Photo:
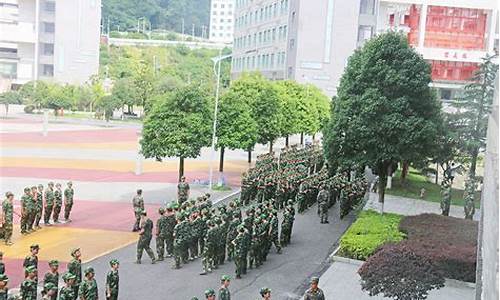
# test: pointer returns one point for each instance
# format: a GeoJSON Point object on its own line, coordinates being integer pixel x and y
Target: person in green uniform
{"type": "Point", "coordinates": [88, 288]}
{"type": "Point", "coordinates": [4, 289]}
{"type": "Point", "coordinates": [265, 293]}
{"type": "Point", "coordinates": [69, 193]}
{"type": "Point", "coordinates": [32, 209]}
{"type": "Point", "coordinates": [25, 210]}
{"type": "Point", "coordinates": [29, 285]}
{"type": "Point", "coordinates": [138, 204]}
{"type": "Point", "coordinates": [52, 276]}
{"type": "Point", "coordinates": [224, 293]}
{"type": "Point", "coordinates": [161, 224]}
{"type": "Point", "coordinates": [32, 260]}
{"type": "Point", "coordinates": [8, 217]}
{"type": "Point", "coordinates": [239, 250]}
{"type": "Point", "coordinates": [49, 291]}
{"type": "Point", "coordinates": [67, 291]}
{"type": "Point", "coordinates": [113, 280]}
{"type": "Point", "coordinates": [75, 268]}
{"type": "Point", "coordinates": [209, 246]}
{"type": "Point", "coordinates": [314, 292]}
{"type": "Point", "coordinates": [145, 236]}
{"type": "Point", "coordinates": [39, 207]}
{"type": "Point", "coordinates": [49, 203]}
{"type": "Point", "coordinates": [210, 294]}
{"type": "Point", "coordinates": [58, 202]}
{"type": "Point", "coordinates": [323, 198]}
{"type": "Point", "coordinates": [182, 190]}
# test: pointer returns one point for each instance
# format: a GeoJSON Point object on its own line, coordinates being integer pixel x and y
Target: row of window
{"type": "Point", "coordinates": [228, 28]}
{"type": "Point", "coordinates": [228, 35]}
{"type": "Point", "coordinates": [221, 13]}
{"type": "Point", "coordinates": [261, 38]}
{"type": "Point", "coordinates": [263, 14]}
{"type": "Point", "coordinates": [259, 62]}
{"type": "Point", "coordinates": [222, 5]}
{"type": "Point", "coordinates": [230, 21]}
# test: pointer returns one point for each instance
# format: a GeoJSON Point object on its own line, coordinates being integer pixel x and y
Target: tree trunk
{"type": "Point", "coordinates": [314, 137]}
{"type": "Point", "coordinates": [249, 156]}
{"type": "Point", "coordinates": [221, 160]}
{"type": "Point", "coordinates": [389, 175]}
{"type": "Point", "coordinates": [473, 162]}
{"type": "Point", "coordinates": [286, 140]}
{"type": "Point", "coordinates": [302, 138]}
{"type": "Point", "coordinates": [6, 109]}
{"type": "Point", "coordinates": [437, 173]}
{"type": "Point", "coordinates": [404, 171]}
{"type": "Point", "coordinates": [270, 147]}
{"type": "Point", "coordinates": [181, 167]}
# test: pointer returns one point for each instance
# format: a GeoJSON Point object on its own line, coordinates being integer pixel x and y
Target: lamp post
{"type": "Point", "coordinates": [215, 60]}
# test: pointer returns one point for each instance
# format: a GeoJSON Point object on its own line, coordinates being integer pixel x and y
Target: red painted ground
{"type": "Point", "coordinates": [74, 136]}
{"type": "Point", "coordinates": [233, 178]}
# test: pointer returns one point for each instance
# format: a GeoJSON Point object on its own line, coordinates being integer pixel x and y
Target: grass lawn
{"type": "Point", "coordinates": [416, 181]}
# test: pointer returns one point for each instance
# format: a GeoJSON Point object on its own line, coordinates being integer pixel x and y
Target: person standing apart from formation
{"type": "Point", "coordinates": [182, 191]}
{"type": "Point", "coordinates": [68, 201]}
{"type": "Point", "coordinates": [138, 204]}
{"type": "Point", "coordinates": [265, 293]}
{"type": "Point", "coordinates": [145, 236]}
{"type": "Point", "coordinates": [314, 292]}
{"type": "Point", "coordinates": [8, 217]}
{"type": "Point", "coordinates": [112, 280]}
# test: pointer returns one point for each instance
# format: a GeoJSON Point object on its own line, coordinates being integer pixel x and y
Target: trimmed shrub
{"type": "Point", "coordinates": [370, 231]}
{"type": "Point", "coordinates": [450, 243]}
{"type": "Point", "coordinates": [397, 272]}
{"type": "Point", "coordinates": [29, 109]}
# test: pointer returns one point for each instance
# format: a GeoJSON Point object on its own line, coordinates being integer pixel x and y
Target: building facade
{"type": "Point", "coordinates": [55, 40]}
{"type": "Point", "coordinates": [222, 21]}
{"type": "Point", "coordinates": [320, 35]}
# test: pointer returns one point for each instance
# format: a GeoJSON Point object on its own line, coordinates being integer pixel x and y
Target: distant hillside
{"type": "Point", "coordinates": [163, 14]}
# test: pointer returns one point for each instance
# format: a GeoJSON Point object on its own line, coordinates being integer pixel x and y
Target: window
{"type": "Point", "coordinates": [48, 27]}
{"type": "Point", "coordinates": [222, 20]}
{"type": "Point", "coordinates": [8, 70]}
{"type": "Point", "coordinates": [274, 34]}
{"type": "Point", "coordinates": [48, 49]}
{"type": "Point", "coordinates": [48, 70]}
{"type": "Point", "coordinates": [293, 17]}
{"type": "Point", "coordinates": [292, 43]}
{"type": "Point", "coordinates": [50, 6]}
{"type": "Point", "coordinates": [364, 33]}
{"type": "Point", "coordinates": [221, 27]}
{"type": "Point", "coordinates": [222, 6]}
{"type": "Point", "coordinates": [215, 5]}
{"type": "Point", "coordinates": [214, 13]}
{"type": "Point", "coordinates": [445, 94]}
{"type": "Point", "coordinates": [222, 13]}
{"type": "Point", "coordinates": [367, 7]}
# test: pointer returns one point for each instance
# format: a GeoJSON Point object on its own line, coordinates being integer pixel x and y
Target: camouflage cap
{"type": "Point", "coordinates": [74, 250]}
{"type": "Point", "coordinates": [27, 189]}
{"type": "Point", "coordinates": [54, 262]}
{"type": "Point", "coordinates": [35, 246]}
{"type": "Point", "coordinates": [9, 194]}
{"type": "Point", "coordinates": [68, 276]}
{"type": "Point", "coordinates": [49, 286]}
{"type": "Point", "coordinates": [89, 270]}
{"type": "Point", "coordinates": [161, 210]}
{"type": "Point", "coordinates": [30, 269]}
{"type": "Point", "coordinates": [314, 279]}
{"type": "Point", "coordinates": [264, 291]}
{"type": "Point", "coordinates": [40, 185]}
{"type": "Point", "coordinates": [209, 292]}
{"type": "Point", "coordinates": [4, 277]}
{"type": "Point", "coordinates": [144, 213]}
{"type": "Point", "coordinates": [225, 278]}
{"type": "Point", "coordinates": [114, 261]}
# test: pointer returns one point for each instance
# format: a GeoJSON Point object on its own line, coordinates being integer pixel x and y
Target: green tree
{"type": "Point", "coordinates": [10, 97]}
{"type": "Point", "coordinates": [236, 127]}
{"type": "Point", "coordinates": [473, 108]}
{"type": "Point", "coordinates": [322, 107]}
{"type": "Point", "coordinates": [385, 111]}
{"type": "Point", "coordinates": [124, 93]}
{"type": "Point", "coordinates": [143, 84]}
{"type": "Point", "coordinates": [178, 126]}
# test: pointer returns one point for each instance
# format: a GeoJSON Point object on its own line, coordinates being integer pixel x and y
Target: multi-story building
{"type": "Point", "coordinates": [222, 20]}
{"type": "Point", "coordinates": [55, 40]}
{"type": "Point", "coordinates": [320, 35]}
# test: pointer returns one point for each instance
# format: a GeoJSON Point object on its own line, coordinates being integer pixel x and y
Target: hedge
{"type": "Point", "coordinates": [370, 231]}
{"type": "Point", "coordinates": [450, 243]}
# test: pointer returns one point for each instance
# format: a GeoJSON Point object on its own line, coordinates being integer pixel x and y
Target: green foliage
{"type": "Point", "coordinates": [10, 97]}
{"type": "Point", "coordinates": [164, 14]}
{"type": "Point", "coordinates": [370, 231]}
{"type": "Point", "coordinates": [385, 111]}
{"type": "Point", "coordinates": [471, 121]}
{"type": "Point", "coordinates": [178, 125]}
{"type": "Point", "coordinates": [124, 92]}
{"type": "Point", "coordinates": [236, 127]}
{"type": "Point", "coordinates": [323, 105]}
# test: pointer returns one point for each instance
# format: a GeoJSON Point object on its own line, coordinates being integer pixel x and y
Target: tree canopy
{"type": "Point", "coordinates": [385, 112]}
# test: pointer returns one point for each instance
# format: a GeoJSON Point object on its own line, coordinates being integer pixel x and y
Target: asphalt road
{"type": "Point", "coordinates": [286, 274]}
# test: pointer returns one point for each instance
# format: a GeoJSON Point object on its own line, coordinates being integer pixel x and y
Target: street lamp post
{"type": "Point", "coordinates": [215, 60]}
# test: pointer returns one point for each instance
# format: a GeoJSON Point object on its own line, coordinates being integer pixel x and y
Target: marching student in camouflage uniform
{"type": "Point", "coordinates": [8, 217]}
{"type": "Point", "coordinates": [29, 285]}
{"type": "Point", "coordinates": [323, 204]}
{"type": "Point", "coordinates": [39, 206]}
{"type": "Point", "coordinates": [182, 191]}
{"type": "Point", "coordinates": [145, 236]}
{"type": "Point", "coordinates": [314, 292]}
{"type": "Point", "coordinates": [224, 293]}
{"type": "Point", "coordinates": [210, 294]}
{"type": "Point", "coordinates": [88, 288]}
{"type": "Point", "coordinates": [49, 291]}
{"type": "Point", "coordinates": [67, 291]}
{"type": "Point", "coordinates": [57, 203]}
{"type": "Point", "coordinates": [32, 209]}
{"type": "Point", "coordinates": [69, 194]}
{"type": "Point", "coordinates": [169, 230]}
{"type": "Point", "coordinates": [265, 293]}
{"type": "Point", "coordinates": [49, 203]}
{"type": "Point", "coordinates": [231, 235]}
{"type": "Point", "coordinates": [52, 276]}
{"type": "Point", "coordinates": [138, 204]}
{"type": "Point", "coordinates": [75, 268]}
{"type": "Point", "coordinates": [25, 211]}
{"type": "Point", "coordinates": [32, 260]}
{"type": "Point", "coordinates": [274, 231]}
{"type": "Point", "coordinates": [113, 280]}
{"type": "Point", "coordinates": [161, 226]}
{"type": "Point", "coordinates": [180, 241]}
{"type": "Point", "coordinates": [209, 248]}
{"type": "Point", "coordinates": [239, 250]}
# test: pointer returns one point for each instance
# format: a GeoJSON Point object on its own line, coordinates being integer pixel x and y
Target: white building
{"type": "Point", "coordinates": [221, 21]}
{"type": "Point", "coordinates": [54, 40]}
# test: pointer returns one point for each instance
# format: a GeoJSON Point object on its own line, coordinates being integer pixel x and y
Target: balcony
{"type": "Point", "coordinates": [21, 32]}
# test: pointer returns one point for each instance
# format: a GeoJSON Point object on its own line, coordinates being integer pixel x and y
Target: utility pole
{"type": "Point", "coordinates": [192, 30]}
{"type": "Point", "coordinates": [182, 28]}
{"type": "Point", "coordinates": [108, 28]}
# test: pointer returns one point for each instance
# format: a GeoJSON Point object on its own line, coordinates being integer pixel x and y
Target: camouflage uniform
{"type": "Point", "coordinates": [182, 192]}
{"type": "Point", "coordinates": [26, 207]}
{"type": "Point", "coordinates": [138, 204]}
{"type": "Point", "coordinates": [8, 218]}
{"type": "Point", "coordinates": [57, 203]}
{"type": "Point", "coordinates": [69, 194]}
{"type": "Point", "coordinates": [112, 282]}
{"type": "Point", "coordinates": [29, 289]}
{"type": "Point", "coordinates": [49, 203]}
{"type": "Point", "coordinates": [180, 242]}
{"type": "Point", "coordinates": [161, 226]}
{"type": "Point", "coordinates": [323, 205]}
{"type": "Point", "coordinates": [88, 289]}
{"type": "Point", "coordinates": [39, 206]}
{"type": "Point", "coordinates": [75, 268]}
{"type": "Point", "coordinates": [52, 277]}
{"type": "Point", "coordinates": [145, 236]}
{"type": "Point", "coordinates": [209, 247]}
